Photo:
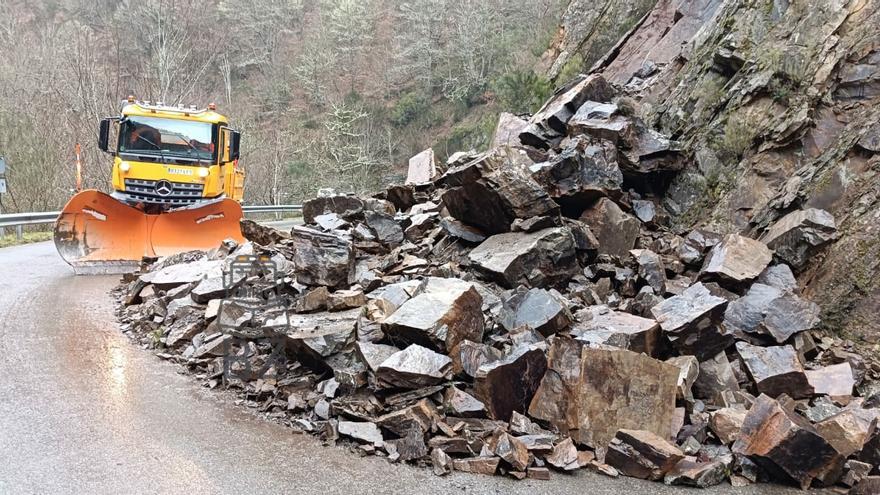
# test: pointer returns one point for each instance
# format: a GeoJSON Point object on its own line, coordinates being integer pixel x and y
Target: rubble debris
{"type": "Point", "coordinates": [782, 443]}
{"type": "Point", "coordinates": [542, 304]}
{"type": "Point", "coordinates": [642, 454]}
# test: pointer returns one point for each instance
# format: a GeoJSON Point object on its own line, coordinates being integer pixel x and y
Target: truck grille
{"type": "Point", "coordinates": [162, 192]}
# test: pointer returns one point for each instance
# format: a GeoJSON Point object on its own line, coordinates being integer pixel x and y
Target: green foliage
{"type": "Point", "coordinates": [28, 237]}
{"type": "Point", "coordinates": [571, 69]}
{"type": "Point", "coordinates": [737, 136]}
{"type": "Point", "coordinates": [522, 91]}
{"type": "Point", "coordinates": [469, 135]}
{"type": "Point", "coordinates": [408, 108]}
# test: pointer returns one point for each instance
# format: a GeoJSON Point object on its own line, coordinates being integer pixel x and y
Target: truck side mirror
{"type": "Point", "coordinates": [104, 135]}
{"type": "Point", "coordinates": [234, 145]}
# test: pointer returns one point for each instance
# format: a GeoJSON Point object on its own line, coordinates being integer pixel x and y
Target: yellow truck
{"type": "Point", "coordinates": [177, 186]}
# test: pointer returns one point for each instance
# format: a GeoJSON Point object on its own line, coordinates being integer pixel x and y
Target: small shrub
{"type": "Point", "coordinates": [522, 91]}
{"type": "Point", "coordinates": [409, 108]}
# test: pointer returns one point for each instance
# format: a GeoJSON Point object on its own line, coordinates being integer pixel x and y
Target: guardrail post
{"type": "Point", "coordinates": [19, 232]}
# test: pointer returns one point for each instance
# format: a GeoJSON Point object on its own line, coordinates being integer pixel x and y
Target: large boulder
{"type": "Point", "coordinates": [786, 445]}
{"type": "Point", "coordinates": [322, 258]}
{"type": "Point", "coordinates": [508, 384]}
{"type": "Point", "coordinates": [583, 171]}
{"type": "Point", "coordinates": [615, 229]}
{"type": "Point", "coordinates": [736, 259]}
{"type": "Point", "coordinates": [691, 319]}
{"type": "Point", "coordinates": [602, 325]}
{"type": "Point", "coordinates": [775, 370]}
{"type": "Point", "coordinates": [798, 235]}
{"type": "Point", "coordinates": [535, 309]}
{"type": "Point", "coordinates": [422, 168]}
{"type": "Point", "coordinates": [538, 259]}
{"type": "Point", "coordinates": [495, 189]}
{"type": "Point", "coordinates": [591, 393]}
{"type": "Point", "coordinates": [549, 124]}
{"type": "Point", "coordinates": [445, 313]}
{"type": "Point", "coordinates": [414, 367]}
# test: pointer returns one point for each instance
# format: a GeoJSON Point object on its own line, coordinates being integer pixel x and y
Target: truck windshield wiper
{"type": "Point", "coordinates": [158, 148]}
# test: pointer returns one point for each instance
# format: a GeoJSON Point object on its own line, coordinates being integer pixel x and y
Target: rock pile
{"type": "Point", "coordinates": [529, 310]}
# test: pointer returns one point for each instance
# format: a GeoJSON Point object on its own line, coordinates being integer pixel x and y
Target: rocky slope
{"type": "Point", "coordinates": [776, 106]}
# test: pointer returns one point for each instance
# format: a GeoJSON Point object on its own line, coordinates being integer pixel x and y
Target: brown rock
{"type": "Point", "coordinates": [564, 456]}
{"type": "Point", "coordinates": [444, 314]}
{"type": "Point", "coordinates": [642, 454]}
{"type": "Point", "coordinates": [507, 385]}
{"type": "Point", "coordinates": [834, 380]}
{"type": "Point", "coordinates": [463, 404]}
{"type": "Point", "coordinates": [715, 377]}
{"type": "Point", "coordinates": [690, 321]}
{"type": "Point", "coordinates": [477, 465]}
{"type": "Point", "coordinates": [511, 450]}
{"type": "Point", "coordinates": [775, 370]}
{"type": "Point", "coordinates": [538, 473]}
{"type": "Point", "coordinates": [601, 325]}
{"type": "Point", "coordinates": [361, 431]}
{"type": "Point", "coordinates": [855, 472]}
{"type": "Point", "coordinates": [419, 416]}
{"type": "Point", "coordinates": [591, 393]}
{"type": "Point", "coordinates": [313, 300]}
{"type": "Point", "coordinates": [786, 446]}
{"type": "Point", "coordinates": [848, 430]}
{"type": "Point", "coordinates": [688, 370]}
{"type": "Point", "coordinates": [615, 230]}
{"type": "Point", "coordinates": [321, 258]}
{"type": "Point", "coordinates": [583, 171]}
{"type": "Point", "coordinates": [508, 129]}
{"type": "Point", "coordinates": [695, 473]}
{"type": "Point", "coordinates": [414, 367]}
{"type": "Point", "coordinates": [469, 356]}
{"type": "Point", "coordinates": [346, 299]}
{"type": "Point", "coordinates": [869, 485]}
{"type": "Point", "coordinates": [549, 123]}
{"type": "Point", "coordinates": [260, 234]}
{"type": "Point", "coordinates": [736, 259]}
{"type": "Point", "coordinates": [373, 355]}
{"type": "Point", "coordinates": [440, 462]}
{"type": "Point", "coordinates": [726, 423]}
{"type": "Point", "coordinates": [536, 309]}
{"type": "Point", "coordinates": [539, 259]}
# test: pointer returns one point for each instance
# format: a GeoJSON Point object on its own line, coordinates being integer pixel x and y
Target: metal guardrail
{"type": "Point", "coordinates": [19, 220]}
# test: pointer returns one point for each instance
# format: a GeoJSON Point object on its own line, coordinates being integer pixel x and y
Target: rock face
{"type": "Point", "coordinates": [540, 259]}
{"type": "Point", "coordinates": [508, 129]}
{"type": "Point", "coordinates": [798, 235]}
{"type": "Point", "coordinates": [784, 444]}
{"type": "Point", "coordinates": [575, 393]}
{"type": "Point", "coordinates": [322, 259]}
{"type": "Point", "coordinates": [444, 314]}
{"type": "Point", "coordinates": [615, 230]}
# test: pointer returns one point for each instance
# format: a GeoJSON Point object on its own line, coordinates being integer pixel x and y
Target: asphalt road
{"type": "Point", "coordinates": [82, 410]}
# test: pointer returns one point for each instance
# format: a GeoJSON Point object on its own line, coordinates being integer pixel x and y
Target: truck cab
{"type": "Point", "coordinates": [172, 156]}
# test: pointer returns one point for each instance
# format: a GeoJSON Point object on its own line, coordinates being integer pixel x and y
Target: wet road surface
{"type": "Point", "coordinates": [83, 410]}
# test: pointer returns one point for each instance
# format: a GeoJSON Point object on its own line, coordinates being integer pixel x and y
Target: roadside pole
{"type": "Point", "coordinates": [2, 191]}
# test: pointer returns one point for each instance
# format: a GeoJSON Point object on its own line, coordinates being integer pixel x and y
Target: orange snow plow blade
{"type": "Point", "coordinates": [98, 234]}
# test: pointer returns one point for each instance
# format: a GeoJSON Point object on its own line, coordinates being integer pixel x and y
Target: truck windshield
{"type": "Point", "coordinates": [167, 137]}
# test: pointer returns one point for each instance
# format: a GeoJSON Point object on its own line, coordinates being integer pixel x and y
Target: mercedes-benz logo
{"type": "Point", "coordinates": [164, 188]}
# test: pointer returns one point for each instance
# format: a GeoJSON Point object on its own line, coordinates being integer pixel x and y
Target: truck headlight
{"type": "Point", "coordinates": [203, 172]}
{"type": "Point", "coordinates": [124, 166]}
